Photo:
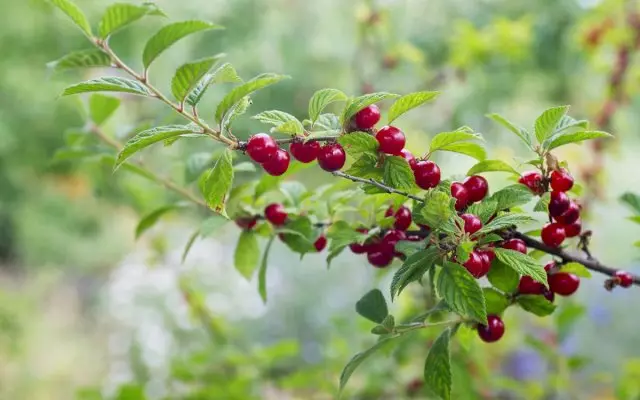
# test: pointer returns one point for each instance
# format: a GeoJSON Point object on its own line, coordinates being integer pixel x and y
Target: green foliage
{"type": "Point", "coordinates": [356, 144]}
{"type": "Point", "coordinates": [76, 15]}
{"type": "Point", "coordinates": [101, 107]}
{"type": "Point", "coordinates": [360, 358]}
{"type": "Point", "coordinates": [107, 84]}
{"type": "Point", "coordinates": [459, 141]}
{"type": "Point", "coordinates": [495, 300]}
{"type": "Point", "coordinates": [547, 121]}
{"type": "Point", "coordinates": [437, 367]}
{"type": "Point", "coordinates": [523, 264]}
{"type": "Point", "coordinates": [358, 103]}
{"type": "Point", "coordinates": [215, 183]}
{"type": "Point", "coordinates": [148, 137]}
{"type": "Point", "coordinates": [245, 89]}
{"type": "Point", "coordinates": [576, 269]}
{"type": "Point", "coordinates": [536, 304]}
{"type": "Point", "coordinates": [373, 306]}
{"type": "Point", "coordinates": [491, 166]}
{"type": "Point", "coordinates": [150, 219]}
{"type": "Point", "coordinates": [409, 102]}
{"type": "Point", "coordinates": [413, 269]}
{"type": "Point", "coordinates": [321, 99]}
{"type": "Point", "coordinates": [503, 277]}
{"type": "Point", "coordinates": [189, 75]}
{"type": "Point", "coordinates": [247, 254]}
{"type": "Point", "coordinates": [398, 174]}
{"type": "Point", "coordinates": [89, 58]}
{"type": "Point", "coordinates": [461, 292]}
{"type": "Point", "coordinates": [223, 74]}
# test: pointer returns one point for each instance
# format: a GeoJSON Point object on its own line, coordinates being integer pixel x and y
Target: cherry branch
{"type": "Point", "coordinates": [377, 184]}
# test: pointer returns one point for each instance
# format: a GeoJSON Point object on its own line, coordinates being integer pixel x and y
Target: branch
{"type": "Point", "coordinates": [380, 185]}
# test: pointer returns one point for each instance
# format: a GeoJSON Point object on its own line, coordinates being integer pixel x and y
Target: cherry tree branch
{"type": "Point", "coordinates": [377, 184]}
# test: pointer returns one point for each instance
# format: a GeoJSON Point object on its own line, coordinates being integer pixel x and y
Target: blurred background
{"type": "Point", "coordinates": [89, 312]}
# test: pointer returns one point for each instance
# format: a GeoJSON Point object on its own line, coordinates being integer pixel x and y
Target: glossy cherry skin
{"type": "Point", "coordinates": [426, 174]}
{"type": "Point", "coordinates": [561, 180]}
{"type": "Point", "coordinates": [391, 140]}
{"type": "Point", "coordinates": [278, 164]}
{"type": "Point", "coordinates": [275, 214]}
{"type": "Point", "coordinates": [493, 331]}
{"type": "Point", "coordinates": [305, 152]}
{"type": "Point", "coordinates": [358, 248]}
{"type": "Point", "coordinates": [532, 180]}
{"type": "Point", "coordinates": [367, 118]}
{"type": "Point", "coordinates": [515, 244]}
{"type": "Point", "coordinates": [407, 155]}
{"type": "Point", "coordinates": [331, 157]}
{"type": "Point", "coordinates": [472, 223]}
{"type": "Point", "coordinates": [553, 234]}
{"type": "Point", "coordinates": [475, 264]}
{"type": "Point", "coordinates": [380, 259]}
{"type": "Point", "coordinates": [261, 147]}
{"type": "Point", "coordinates": [477, 188]}
{"type": "Point", "coordinates": [528, 285]}
{"type": "Point", "coordinates": [574, 229]}
{"type": "Point", "coordinates": [558, 203]}
{"type": "Point", "coordinates": [402, 217]}
{"type": "Point", "coordinates": [563, 283]}
{"type": "Point", "coordinates": [247, 223]}
{"type": "Point", "coordinates": [320, 243]}
{"type": "Point", "coordinates": [570, 216]}
{"type": "Point", "coordinates": [625, 278]}
{"type": "Point", "coordinates": [460, 193]}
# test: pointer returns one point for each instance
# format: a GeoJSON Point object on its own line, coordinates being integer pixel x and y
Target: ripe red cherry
{"type": "Point", "coordinates": [475, 264]}
{"type": "Point", "coordinates": [380, 259]}
{"type": "Point", "coordinates": [486, 261]}
{"type": "Point", "coordinates": [305, 152]}
{"type": "Point", "coordinates": [403, 217]}
{"type": "Point", "coordinates": [553, 234]}
{"type": "Point", "coordinates": [460, 193]}
{"type": "Point", "coordinates": [493, 331]}
{"type": "Point", "coordinates": [331, 157]}
{"type": "Point", "coordinates": [558, 204]}
{"type": "Point", "coordinates": [561, 180]}
{"type": "Point", "coordinates": [320, 243]}
{"type": "Point", "coordinates": [389, 240]}
{"type": "Point", "coordinates": [275, 214]}
{"type": "Point", "coordinates": [515, 244]}
{"type": "Point", "coordinates": [261, 147]}
{"type": "Point", "coordinates": [563, 283]}
{"type": "Point", "coordinates": [358, 248]}
{"type": "Point", "coordinates": [549, 266]}
{"type": "Point", "coordinates": [391, 139]}
{"type": "Point", "coordinates": [574, 229]}
{"type": "Point", "coordinates": [625, 278]}
{"type": "Point", "coordinates": [427, 174]}
{"type": "Point", "coordinates": [367, 117]}
{"type": "Point", "coordinates": [477, 187]}
{"type": "Point", "coordinates": [472, 224]}
{"type": "Point", "coordinates": [532, 180]}
{"type": "Point", "coordinates": [247, 223]}
{"type": "Point", "coordinates": [407, 155]}
{"type": "Point", "coordinates": [490, 254]}
{"type": "Point", "coordinates": [548, 294]}
{"type": "Point", "coordinates": [570, 216]}
{"type": "Point", "coordinates": [278, 164]}
{"type": "Point", "coordinates": [529, 286]}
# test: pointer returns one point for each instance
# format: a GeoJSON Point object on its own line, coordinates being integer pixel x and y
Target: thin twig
{"type": "Point", "coordinates": [380, 185]}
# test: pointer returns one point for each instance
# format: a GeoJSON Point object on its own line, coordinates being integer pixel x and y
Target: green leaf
{"type": "Point", "coordinates": [247, 254]}
{"type": "Point", "coordinates": [284, 122]}
{"type": "Point", "coordinates": [536, 304]}
{"type": "Point", "coordinates": [409, 102]}
{"type": "Point", "coordinates": [489, 238]}
{"type": "Point", "coordinates": [81, 59]}
{"type": "Point", "coordinates": [365, 167]}
{"type": "Point", "coordinates": [496, 301]}
{"type": "Point", "coordinates": [216, 183]}
{"type": "Point", "coordinates": [522, 133]}
{"type": "Point", "coordinates": [385, 327]}
{"type": "Point", "coordinates": [119, 15]}
{"type": "Point", "coordinates": [359, 359]}
{"type": "Point", "coordinates": [150, 219]}
{"type": "Point", "coordinates": [397, 173]}
{"type": "Point", "coordinates": [262, 273]}
{"type": "Point", "coordinates": [190, 242]}
{"type": "Point", "coordinates": [445, 139]}
{"type": "Point", "coordinates": [234, 112]}
{"type": "Point", "coordinates": [576, 137]}
{"type": "Point", "coordinates": [342, 234]}
{"type": "Point", "coordinates": [512, 196]}
{"type": "Point", "coordinates": [491, 166]}
{"type": "Point", "coordinates": [321, 99]}
{"type": "Point", "coordinates": [632, 200]}
{"type": "Point", "coordinates": [373, 306]}
{"type": "Point", "coordinates": [107, 84]}
{"type": "Point", "coordinates": [361, 102]}
{"type": "Point", "coordinates": [239, 92]}
{"type": "Point", "coordinates": [505, 221]}
{"type": "Point", "coordinates": [437, 367]}
{"type": "Point", "coordinates": [414, 267]}
{"type": "Point", "coordinates": [357, 143]}
{"type": "Point", "coordinates": [543, 204]}
{"type": "Point", "coordinates": [523, 264]}
{"type": "Point", "coordinates": [467, 148]}
{"type": "Point", "coordinates": [484, 210]}
{"type": "Point", "coordinates": [437, 209]}
{"type": "Point", "coordinates": [408, 247]}
{"type": "Point", "coordinates": [170, 34]}
{"type": "Point", "coordinates": [547, 121]}
{"type": "Point", "coordinates": [328, 122]}
{"type": "Point", "coordinates": [576, 269]}
{"type": "Point", "coordinates": [212, 224]}
{"type": "Point", "coordinates": [299, 235]}
{"type": "Point", "coordinates": [503, 277]}
{"type": "Point", "coordinates": [149, 137]}
{"type": "Point", "coordinates": [246, 166]}
{"type": "Point", "coordinates": [223, 74]}
{"type": "Point", "coordinates": [76, 15]}
{"type": "Point", "coordinates": [188, 75]}
{"type": "Point", "coordinates": [101, 107]}
{"type": "Point", "coordinates": [461, 291]}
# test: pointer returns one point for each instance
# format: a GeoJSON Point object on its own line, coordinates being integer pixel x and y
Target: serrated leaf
{"type": "Point", "coordinates": [359, 359]}
{"type": "Point", "coordinates": [436, 210]}
{"type": "Point", "coordinates": [119, 15]}
{"type": "Point", "coordinates": [576, 269]}
{"type": "Point", "coordinates": [408, 247]}
{"type": "Point", "coordinates": [409, 102]}
{"type": "Point", "coordinates": [365, 167]}
{"type": "Point", "coordinates": [414, 267]}
{"type": "Point", "coordinates": [216, 183]}
{"type": "Point", "coordinates": [357, 143]}
{"type": "Point", "coordinates": [101, 107]}
{"type": "Point", "coordinates": [397, 173]}
{"type": "Point", "coordinates": [276, 118]}
{"type": "Point", "coordinates": [444, 139]}
{"type": "Point", "coordinates": [188, 75]}
{"type": "Point", "coordinates": [88, 58]}
{"type": "Point", "coordinates": [262, 272]}
{"type": "Point", "coordinates": [294, 191]}
{"type": "Point", "coordinates": [483, 210]}
{"type": "Point", "coordinates": [503, 277]}
{"type": "Point", "coordinates": [496, 301]}
{"type": "Point", "coordinates": [150, 219]}
{"type": "Point", "coordinates": [342, 234]}
{"type": "Point", "coordinates": [437, 367]}
{"type": "Point", "coordinates": [522, 133]}
{"type": "Point", "coordinates": [170, 34]}
{"type": "Point", "coordinates": [328, 122]}
{"type": "Point", "coordinates": [536, 304]}
{"type": "Point", "coordinates": [522, 264]}
{"type": "Point", "coordinates": [461, 292]}
{"type": "Point", "coordinates": [289, 128]}
{"type": "Point", "coordinates": [505, 221]}
{"type": "Point", "coordinates": [547, 121]}
{"type": "Point", "coordinates": [107, 84]}
{"type": "Point", "coordinates": [247, 254]}
{"type": "Point", "coordinates": [234, 112]}
{"type": "Point", "coordinates": [543, 204]}
{"type": "Point", "coordinates": [491, 166]}
{"type": "Point", "coordinates": [299, 235]}
{"type": "Point", "coordinates": [632, 200]}
{"type": "Point", "coordinates": [576, 137]}
{"type": "Point", "coordinates": [149, 137]}
{"type": "Point", "coordinates": [239, 92]}
{"type": "Point", "coordinates": [321, 99]}
{"type": "Point", "coordinates": [361, 102]}
{"type": "Point", "coordinates": [223, 74]}
{"type": "Point", "coordinates": [512, 196]}
{"type": "Point", "coordinates": [373, 306]}
{"type": "Point", "coordinates": [75, 13]}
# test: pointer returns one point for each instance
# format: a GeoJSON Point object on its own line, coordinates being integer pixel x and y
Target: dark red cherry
{"type": "Point", "coordinates": [261, 147]}
{"type": "Point", "coordinates": [477, 188]}
{"type": "Point", "coordinates": [493, 331]}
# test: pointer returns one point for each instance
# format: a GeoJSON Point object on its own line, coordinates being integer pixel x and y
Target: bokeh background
{"type": "Point", "coordinates": [87, 311]}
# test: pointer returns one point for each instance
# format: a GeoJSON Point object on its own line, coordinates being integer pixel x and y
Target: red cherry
{"type": "Point", "coordinates": [305, 152]}
{"type": "Point", "coordinates": [407, 155]}
{"type": "Point", "coordinates": [403, 217]}
{"type": "Point", "coordinates": [493, 331]}
{"type": "Point", "coordinates": [358, 248]}
{"type": "Point", "coordinates": [320, 243]}
{"type": "Point", "coordinates": [475, 264]}
{"type": "Point", "coordinates": [529, 286]}
{"type": "Point", "coordinates": [427, 174]}
{"type": "Point", "coordinates": [574, 229]}
{"type": "Point", "coordinates": [553, 234]}
{"type": "Point", "coordinates": [561, 180]}
{"type": "Point", "coordinates": [549, 266]}
{"type": "Point", "coordinates": [548, 294]}
{"type": "Point", "coordinates": [391, 140]}
{"type": "Point", "coordinates": [380, 259]}
{"type": "Point", "coordinates": [532, 180]}
{"type": "Point", "coordinates": [261, 147]}
{"type": "Point", "coordinates": [247, 223]}
{"type": "Point", "coordinates": [275, 214]}
{"type": "Point", "coordinates": [390, 239]}
{"type": "Point", "coordinates": [477, 187]}
{"type": "Point", "coordinates": [570, 216]}
{"type": "Point", "coordinates": [331, 157]}
{"type": "Point", "coordinates": [563, 283]}
{"type": "Point", "coordinates": [486, 261]}
{"type": "Point", "coordinates": [278, 164]}
{"type": "Point", "coordinates": [460, 193]}
{"type": "Point", "coordinates": [367, 117]}
{"type": "Point", "coordinates": [625, 278]}
{"type": "Point", "coordinates": [515, 244]}
{"type": "Point", "coordinates": [558, 204]}
{"type": "Point", "coordinates": [472, 224]}
{"type": "Point", "coordinates": [490, 254]}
